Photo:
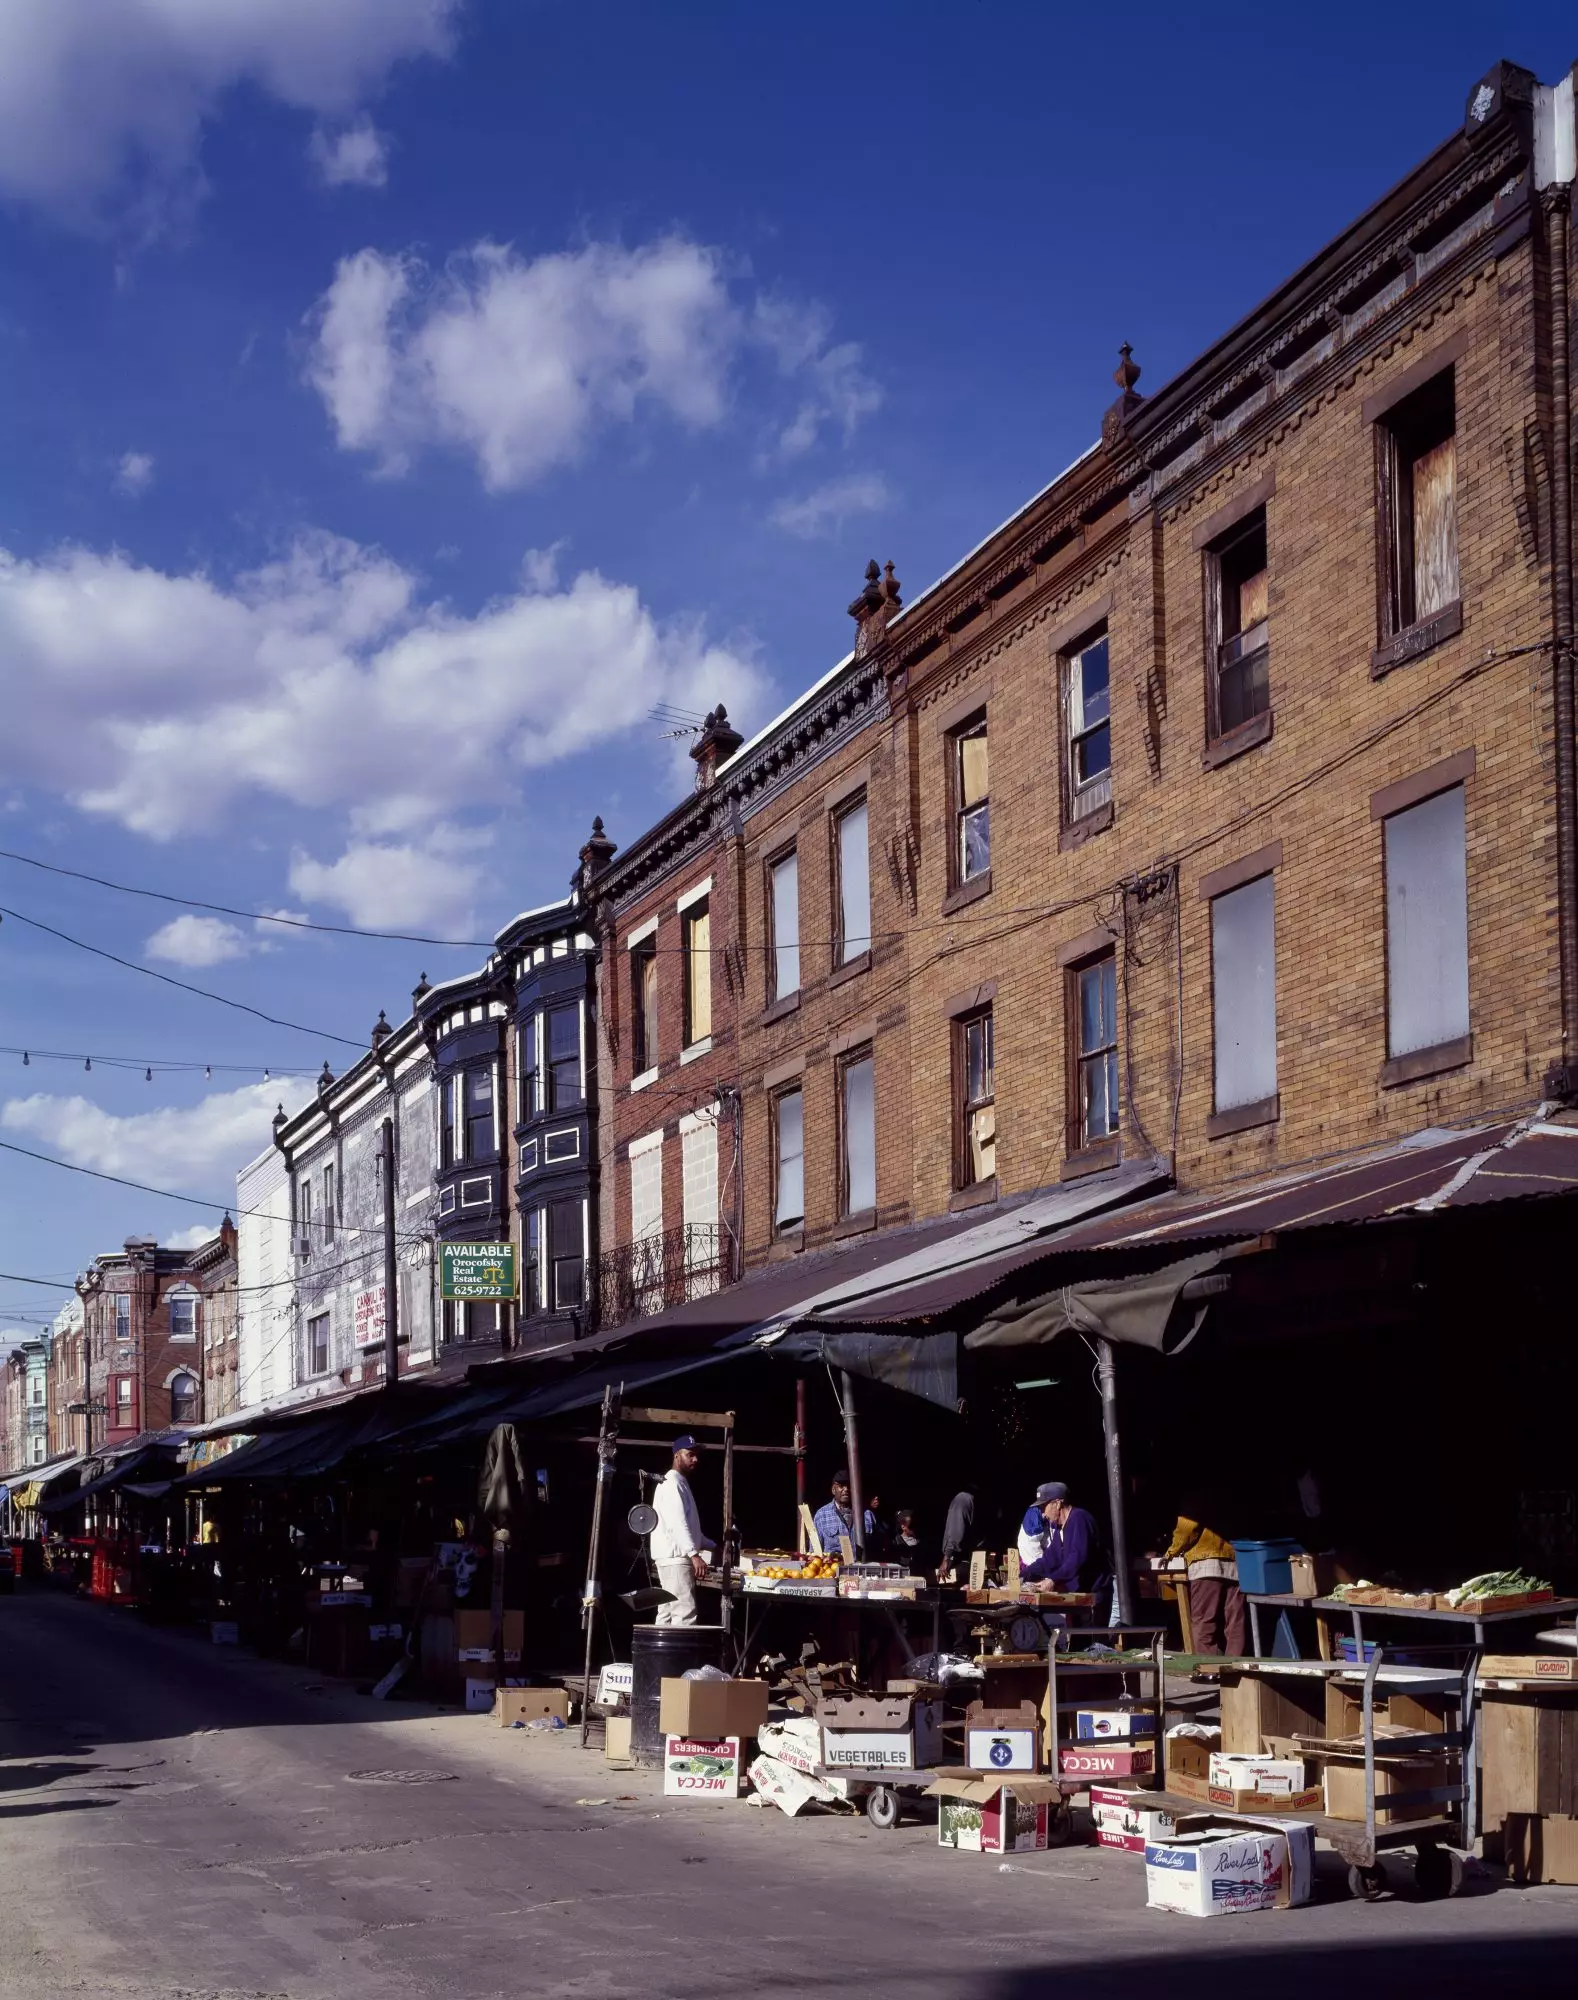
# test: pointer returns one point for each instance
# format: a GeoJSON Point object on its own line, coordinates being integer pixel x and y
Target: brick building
{"type": "Point", "coordinates": [24, 1421]}
{"type": "Point", "coordinates": [214, 1268]}
{"type": "Point", "coordinates": [1216, 810]}
{"type": "Point", "coordinates": [142, 1339]}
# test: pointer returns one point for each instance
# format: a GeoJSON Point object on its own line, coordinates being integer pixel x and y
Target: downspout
{"type": "Point", "coordinates": [1555, 167]}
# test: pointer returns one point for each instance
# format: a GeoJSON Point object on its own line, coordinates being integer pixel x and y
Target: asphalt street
{"type": "Point", "coordinates": [185, 1822]}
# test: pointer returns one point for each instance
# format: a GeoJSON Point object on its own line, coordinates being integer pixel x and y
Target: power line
{"type": "Point", "coordinates": [252, 916]}
{"type": "Point", "coordinates": [164, 978]}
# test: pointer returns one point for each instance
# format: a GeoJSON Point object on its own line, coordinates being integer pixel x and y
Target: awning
{"type": "Point", "coordinates": [147, 1462]}
{"type": "Point", "coordinates": [1154, 1309]}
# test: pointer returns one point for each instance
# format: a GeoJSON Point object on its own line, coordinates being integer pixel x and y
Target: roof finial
{"type": "Point", "coordinates": [1127, 372]}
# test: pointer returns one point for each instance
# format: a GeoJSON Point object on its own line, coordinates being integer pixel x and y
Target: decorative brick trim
{"type": "Point", "coordinates": [1234, 874]}
{"type": "Point", "coordinates": [1422, 785]}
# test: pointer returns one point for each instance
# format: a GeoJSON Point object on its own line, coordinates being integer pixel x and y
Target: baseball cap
{"type": "Point", "coordinates": [1051, 1489]}
{"type": "Point", "coordinates": [684, 1443]}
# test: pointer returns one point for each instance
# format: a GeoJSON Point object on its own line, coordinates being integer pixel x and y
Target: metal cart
{"type": "Point", "coordinates": [1066, 1669]}
{"type": "Point", "coordinates": [880, 1794]}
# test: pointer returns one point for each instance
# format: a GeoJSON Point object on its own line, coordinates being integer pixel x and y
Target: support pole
{"type": "Point", "coordinates": [1115, 1501]}
{"type": "Point", "coordinates": [606, 1447]}
{"type": "Point", "coordinates": [799, 1462]}
{"type": "Point", "coordinates": [391, 1270]}
{"type": "Point", "coordinates": [857, 1492]}
{"type": "Point", "coordinates": [725, 1538]}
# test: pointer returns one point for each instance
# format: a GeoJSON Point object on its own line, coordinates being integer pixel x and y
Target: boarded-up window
{"type": "Point", "coordinates": [789, 1161]}
{"type": "Point", "coordinates": [1244, 993]}
{"type": "Point", "coordinates": [698, 974]}
{"type": "Point", "coordinates": [854, 882]}
{"type": "Point", "coordinates": [1426, 925]}
{"type": "Point", "coordinates": [784, 881]}
{"type": "Point", "coordinates": [976, 1085]}
{"type": "Point", "coordinates": [1418, 474]}
{"type": "Point", "coordinates": [858, 1116]}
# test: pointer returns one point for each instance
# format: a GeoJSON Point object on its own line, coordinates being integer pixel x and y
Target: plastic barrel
{"type": "Point", "coordinates": [661, 1653]}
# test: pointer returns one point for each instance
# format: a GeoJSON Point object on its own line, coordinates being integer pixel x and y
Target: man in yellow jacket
{"type": "Point", "coordinates": [1216, 1604]}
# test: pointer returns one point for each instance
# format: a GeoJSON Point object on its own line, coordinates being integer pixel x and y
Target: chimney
{"type": "Point", "coordinates": [717, 743]}
{"type": "Point", "coordinates": [1129, 400]}
{"type": "Point", "coordinates": [595, 857]}
{"type": "Point", "coordinates": [875, 605]}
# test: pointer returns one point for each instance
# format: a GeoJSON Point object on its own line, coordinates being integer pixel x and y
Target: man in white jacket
{"type": "Point", "coordinates": [678, 1545]}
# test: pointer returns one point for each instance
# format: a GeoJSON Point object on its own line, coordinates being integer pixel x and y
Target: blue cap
{"type": "Point", "coordinates": [685, 1443]}
{"type": "Point", "coordinates": [1050, 1490]}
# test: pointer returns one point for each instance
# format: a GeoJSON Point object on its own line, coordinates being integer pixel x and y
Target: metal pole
{"type": "Point", "coordinates": [1109, 1427]}
{"type": "Point", "coordinates": [727, 1531]}
{"type": "Point", "coordinates": [799, 1460]}
{"type": "Point", "coordinates": [391, 1273]}
{"type": "Point", "coordinates": [589, 1597]}
{"type": "Point", "coordinates": [857, 1496]}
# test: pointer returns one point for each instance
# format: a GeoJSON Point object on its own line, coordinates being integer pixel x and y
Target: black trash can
{"type": "Point", "coordinates": [661, 1653]}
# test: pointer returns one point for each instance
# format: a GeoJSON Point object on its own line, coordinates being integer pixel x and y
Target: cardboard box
{"type": "Point", "coordinates": [1279, 1775]}
{"type": "Point", "coordinates": [1542, 1847]}
{"type": "Point", "coordinates": [1313, 1576]}
{"type": "Point", "coordinates": [982, 1816]}
{"type": "Point", "coordinates": [1221, 1872]}
{"type": "Point", "coordinates": [615, 1683]}
{"type": "Point", "coordinates": [1255, 1706]}
{"type": "Point", "coordinates": [1124, 1820]}
{"type": "Point", "coordinates": [712, 1709]}
{"type": "Point", "coordinates": [1002, 1739]}
{"type": "Point", "coordinates": [616, 1739]}
{"type": "Point", "coordinates": [789, 1789]}
{"type": "Point", "coordinates": [1188, 1750]}
{"type": "Point", "coordinates": [701, 1766]}
{"type": "Point", "coordinates": [474, 1636]}
{"type": "Point", "coordinates": [1344, 1787]}
{"type": "Point", "coordinates": [1095, 1725]}
{"type": "Point", "coordinates": [880, 1733]}
{"type": "Point", "coordinates": [1108, 1760]}
{"type": "Point", "coordinates": [478, 1696]}
{"type": "Point", "coordinates": [1529, 1667]}
{"type": "Point", "coordinates": [530, 1705]}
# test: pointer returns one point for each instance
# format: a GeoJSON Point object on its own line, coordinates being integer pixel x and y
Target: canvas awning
{"type": "Point", "coordinates": [1161, 1310]}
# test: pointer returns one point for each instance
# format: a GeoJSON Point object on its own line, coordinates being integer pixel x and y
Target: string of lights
{"type": "Point", "coordinates": [151, 1066]}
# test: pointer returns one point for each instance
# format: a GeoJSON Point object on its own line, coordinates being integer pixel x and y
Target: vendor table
{"type": "Point", "coordinates": [752, 1606]}
{"type": "Point", "coordinates": [1328, 1608]}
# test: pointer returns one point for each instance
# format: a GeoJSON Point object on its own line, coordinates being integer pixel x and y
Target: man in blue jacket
{"type": "Point", "coordinates": [1075, 1559]}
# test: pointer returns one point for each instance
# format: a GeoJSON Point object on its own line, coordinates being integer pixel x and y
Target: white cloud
{"type": "Point", "coordinates": [405, 885]}
{"type": "Point", "coordinates": [355, 156]}
{"type": "Point", "coordinates": [522, 361]}
{"type": "Point", "coordinates": [825, 509]}
{"type": "Point", "coordinates": [194, 1149]}
{"type": "Point", "coordinates": [189, 1239]}
{"type": "Point", "coordinates": [134, 474]}
{"type": "Point", "coordinates": [102, 102]}
{"type": "Point", "coordinates": [326, 680]}
{"type": "Point", "coordinates": [189, 940]}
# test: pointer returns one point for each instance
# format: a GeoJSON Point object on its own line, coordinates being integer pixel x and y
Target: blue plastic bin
{"type": "Point", "coordinates": [1265, 1568]}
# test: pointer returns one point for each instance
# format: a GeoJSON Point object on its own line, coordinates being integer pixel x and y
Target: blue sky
{"type": "Point", "coordinates": [399, 397]}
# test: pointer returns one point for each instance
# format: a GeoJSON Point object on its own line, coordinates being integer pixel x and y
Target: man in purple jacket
{"type": "Point", "coordinates": [1075, 1559]}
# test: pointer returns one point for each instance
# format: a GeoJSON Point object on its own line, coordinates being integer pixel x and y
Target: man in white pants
{"type": "Point", "coordinates": [678, 1545]}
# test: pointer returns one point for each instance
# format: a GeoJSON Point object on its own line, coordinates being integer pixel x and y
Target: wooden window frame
{"type": "Point", "coordinates": [964, 1181]}
{"type": "Point", "coordinates": [786, 1231]}
{"type": "Point", "coordinates": [698, 911]}
{"type": "Point", "coordinates": [842, 1064]}
{"type": "Point", "coordinates": [1256, 727]}
{"type": "Point", "coordinates": [777, 1003]}
{"type": "Point", "coordinates": [1402, 633]}
{"type": "Point", "coordinates": [976, 723]}
{"type": "Point", "coordinates": [850, 802]}
{"type": "Point", "coordinates": [552, 1102]}
{"type": "Point", "coordinates": [1097, 814]}
{"type": "Point", "coordinates": [1078, 1143]}
{"type": "Point", "coordinates": [642, 1058]}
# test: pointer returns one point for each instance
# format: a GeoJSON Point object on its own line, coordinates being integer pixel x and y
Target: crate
{"type": "Point", "coordinates": [1265, 1569]}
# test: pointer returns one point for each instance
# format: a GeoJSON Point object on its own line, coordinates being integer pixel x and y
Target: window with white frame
{"type": "Point", "coordinates": [853, 859]}
{"type": "Point", "coordinates": [1088, 712]}
{"type": "Point", "coordinates": [1244, 994]}
{"type": "Point", "coordinates": [122, 1316]}
{"type": "Point", "coordinates": [857, 1111]}
{"type": "Point", "coordinates": [318, 1344]}
{"type": "Point", "coordinates": [783, 877]}
{"type": "Point", "coordinates": [1427, 924]}
{"type": "Point", "coordinates": [183, 1316]}
{"type": "Point", "coordinates": [183, 1399]}
{"type": "Point", "coordinates": [788, 1159]}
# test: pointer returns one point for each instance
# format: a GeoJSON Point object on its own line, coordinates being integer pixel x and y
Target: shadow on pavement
{"type": "Point", "coordinates": [1543, 1964]}
{"type": "Point", "coordinates": [39, 1806]}
{"type": "Point", "coordinates": [33, 1777]}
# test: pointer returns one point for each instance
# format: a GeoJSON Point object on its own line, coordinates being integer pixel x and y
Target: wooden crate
{"type": "Point", "coordinates": [1529, 1753]}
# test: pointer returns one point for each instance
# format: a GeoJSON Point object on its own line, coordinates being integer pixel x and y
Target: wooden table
{"type": "Point", "coordinates": [1326, 1609]}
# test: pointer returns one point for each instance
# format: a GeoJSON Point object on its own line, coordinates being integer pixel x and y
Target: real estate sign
{"type": "Point", "coordinates": [478, 1270]}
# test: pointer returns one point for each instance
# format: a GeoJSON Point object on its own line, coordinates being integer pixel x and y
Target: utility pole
{"type": "Point", "coordinates": [391, 1269]}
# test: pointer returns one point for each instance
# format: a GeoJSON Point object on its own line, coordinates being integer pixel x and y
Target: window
{"type": "Point", "coordinates": [972, 815]}
{"type": "Point", "coordinates": [1093, 990]}
{"type": "Point", "coordinates": [183, 1399]}
{"type": "Point", "coordinates": [563, 1027]}
{"type": "Point", "coordinates": [122, 1316]}
{"type": "Point", "coordinates": [531, 1275]}
{"type": "Point", "coordinates": [123, 1395]}
{"type": "Point", "coordinates": [1237, 596]}
{"type": "Point", "coordinates": [304, 1198]}
{"type": "Point", "coordinates": [697, 923]}
{"type": "Point", "coordinates": [183, 1316]}
{"type": "Point", "coordinates": [38, 1390]}
{"type": "Point", "coordinates": [857, 1117]}
{"type": "Point", "coordinates": [788, 1160]}
{"type": "Point", "coordinates": [1426, 925]}
{"type": "Point", "coordinates": [1089, 720]}
{"type": "Point", "coordinates": [1417, 458]}
{"type": "Point", "coordinates": [481, 1132]}
{"type": "Point", "coordinates": [567, 1253]}
{"type": "Point", "coordinates": [853, 854]}
{"type": "Point", "coordinates": [526, 1060]}
{"type": "Point", "coordinates": [1244, 993]}
{"type": "Point", "coordinates": [644, 1004]}
{"type": "Point", "coordinates": [328, 1204]}
{"type": "Point", "coordinates": [975, 1088]}
{"type": "Point", "coordinates": [784, 882]}
{"type": "Point", "coordinates": [318, 1344]}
